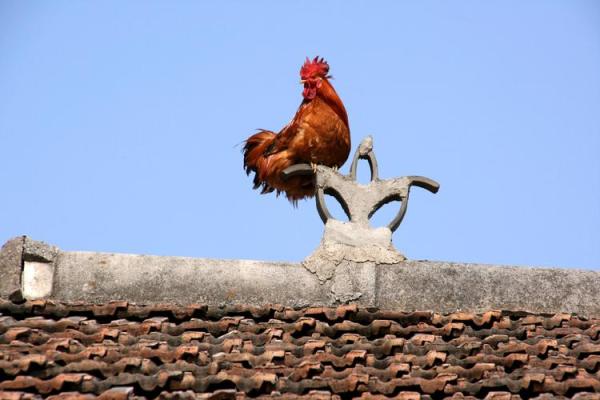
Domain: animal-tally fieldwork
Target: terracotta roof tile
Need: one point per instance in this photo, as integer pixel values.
(125, 351)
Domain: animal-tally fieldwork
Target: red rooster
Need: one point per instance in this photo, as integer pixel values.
(318, 134)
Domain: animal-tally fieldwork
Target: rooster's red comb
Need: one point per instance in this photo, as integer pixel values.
(316, 67)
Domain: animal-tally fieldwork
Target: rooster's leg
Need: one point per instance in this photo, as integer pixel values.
(314, 167)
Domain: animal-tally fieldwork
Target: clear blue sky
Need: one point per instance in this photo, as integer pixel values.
(120, 123)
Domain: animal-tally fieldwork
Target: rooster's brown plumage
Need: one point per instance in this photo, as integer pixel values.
(318, 134)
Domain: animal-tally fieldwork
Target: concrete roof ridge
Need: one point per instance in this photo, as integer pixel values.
(34, 270)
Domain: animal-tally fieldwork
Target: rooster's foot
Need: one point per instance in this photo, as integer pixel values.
(314, 167)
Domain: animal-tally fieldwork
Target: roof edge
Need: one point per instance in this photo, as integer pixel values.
(34, 270)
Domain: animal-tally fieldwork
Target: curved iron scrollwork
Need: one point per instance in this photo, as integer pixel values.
(360, 202)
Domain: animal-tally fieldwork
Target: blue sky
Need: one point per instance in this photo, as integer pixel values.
(120, 123)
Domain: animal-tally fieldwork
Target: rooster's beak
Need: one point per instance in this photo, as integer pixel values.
(302, 81)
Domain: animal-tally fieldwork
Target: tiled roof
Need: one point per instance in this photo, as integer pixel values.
(120, 350)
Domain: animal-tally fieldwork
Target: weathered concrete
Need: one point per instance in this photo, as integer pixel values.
(350, 242)
(37, 251)
(404, 285)
(26, 269)
(151, 279)
(446, 287)
(11, 261)
(37, 280)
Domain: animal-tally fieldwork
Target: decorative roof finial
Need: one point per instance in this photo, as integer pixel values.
(356, 240)
(360, 202)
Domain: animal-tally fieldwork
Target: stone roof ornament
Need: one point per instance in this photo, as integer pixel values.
(356, 240)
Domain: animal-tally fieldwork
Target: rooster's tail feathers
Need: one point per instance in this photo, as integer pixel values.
(255, 161)
(268, 166)
(255, 148)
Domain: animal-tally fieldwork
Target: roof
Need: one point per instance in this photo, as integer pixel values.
(353, 320)
(120, 350)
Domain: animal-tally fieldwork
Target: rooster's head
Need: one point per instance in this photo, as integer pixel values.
(312, 74)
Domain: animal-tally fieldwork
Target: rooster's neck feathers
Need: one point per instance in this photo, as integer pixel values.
(328, 94)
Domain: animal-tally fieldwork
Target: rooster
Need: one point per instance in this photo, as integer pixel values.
(318, 135)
